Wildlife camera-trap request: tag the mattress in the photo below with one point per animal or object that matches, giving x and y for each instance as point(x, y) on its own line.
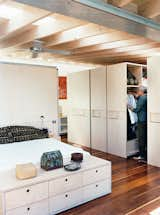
point(31, 151)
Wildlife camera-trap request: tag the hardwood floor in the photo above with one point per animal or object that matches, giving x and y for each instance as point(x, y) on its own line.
point(135, 190)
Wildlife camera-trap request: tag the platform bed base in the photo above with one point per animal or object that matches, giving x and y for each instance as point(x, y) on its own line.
point(56, 191)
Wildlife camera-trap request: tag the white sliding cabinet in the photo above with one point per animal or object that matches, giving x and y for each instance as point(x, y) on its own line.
point(98, 109)
point(78, 108)
point(117, 107)
point(87, 92)
point(154, 111)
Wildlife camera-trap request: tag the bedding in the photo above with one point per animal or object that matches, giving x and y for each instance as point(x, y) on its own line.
point(12, 134)
point(32, 150)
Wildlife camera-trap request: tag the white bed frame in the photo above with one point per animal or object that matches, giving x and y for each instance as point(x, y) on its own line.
point(55, 191)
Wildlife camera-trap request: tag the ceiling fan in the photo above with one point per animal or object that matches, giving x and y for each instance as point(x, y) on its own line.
point(38, 47)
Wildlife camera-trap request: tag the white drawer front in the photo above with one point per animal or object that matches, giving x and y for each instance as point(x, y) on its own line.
point(24, 196)
point(95, 175)
point(40, 208)
point(18, 211)
point(65, 201)
point(65, 184)
point(96, 190)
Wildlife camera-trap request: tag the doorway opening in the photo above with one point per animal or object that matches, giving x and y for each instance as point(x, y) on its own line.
point(137, 112)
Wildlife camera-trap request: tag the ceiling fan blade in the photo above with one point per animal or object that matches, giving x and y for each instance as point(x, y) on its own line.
point(58, 52)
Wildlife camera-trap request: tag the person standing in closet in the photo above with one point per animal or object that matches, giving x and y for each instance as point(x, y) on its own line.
point(141, 111)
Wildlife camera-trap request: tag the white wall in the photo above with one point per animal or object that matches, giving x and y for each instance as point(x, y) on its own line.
point(154, 111)
point(26, 93)
point(63, 106)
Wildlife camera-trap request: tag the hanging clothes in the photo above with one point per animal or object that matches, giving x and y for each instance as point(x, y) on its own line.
point(132, 115)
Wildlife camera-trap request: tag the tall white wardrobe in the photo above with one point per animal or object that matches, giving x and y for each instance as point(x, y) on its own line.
point(97, 101)
point(153, 65)
point(87, 91)
point(117, 88)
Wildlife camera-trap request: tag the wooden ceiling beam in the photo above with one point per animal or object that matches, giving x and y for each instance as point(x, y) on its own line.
point(113, 51)
point(113, 60)
point(109, 45)
point(76, 34)
point(146, 53)
point(102, 14)
point(3, 25)
point(110, 36)
point(119, 3)
point(26, 16)
point(51, 27)
point(105, 61)
point(149, 8)
point(125, 55)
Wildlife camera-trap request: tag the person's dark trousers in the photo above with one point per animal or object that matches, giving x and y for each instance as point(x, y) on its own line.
point(142, 139)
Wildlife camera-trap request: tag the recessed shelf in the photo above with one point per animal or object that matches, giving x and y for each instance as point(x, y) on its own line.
point(133, 86)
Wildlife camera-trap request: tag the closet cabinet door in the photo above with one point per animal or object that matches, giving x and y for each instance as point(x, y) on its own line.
point(116, 109)
point(98, 109)
point(153, 111)
point(78, 108)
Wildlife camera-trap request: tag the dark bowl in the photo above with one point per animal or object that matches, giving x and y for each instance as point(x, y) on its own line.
point(77, 157)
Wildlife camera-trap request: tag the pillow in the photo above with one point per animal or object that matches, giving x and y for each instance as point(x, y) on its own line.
point(5, 135)
point(25, 133)
point(12, 134)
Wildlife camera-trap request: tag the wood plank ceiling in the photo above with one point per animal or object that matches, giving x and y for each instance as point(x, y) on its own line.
point(21, 24)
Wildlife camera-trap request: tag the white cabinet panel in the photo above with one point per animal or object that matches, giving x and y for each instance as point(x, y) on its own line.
point(78, 108)
point(117, 137)
point(64, 184)
point(153, 111)
point(65, 201)
point(40, 208)
point(27, 195)
point(18, 211)
point(98, 108)
point(85, 87)
point(96, 190)
point(95, 175)
point(116, 108)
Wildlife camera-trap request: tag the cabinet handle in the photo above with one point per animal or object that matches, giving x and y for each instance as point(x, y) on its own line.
point(96, 171)
point(66, 179)
point(28, 209)
point(66, 195)
point(28, 190)
point(96, 185)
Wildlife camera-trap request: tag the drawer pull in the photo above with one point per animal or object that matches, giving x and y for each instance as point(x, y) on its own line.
point(66, 195)
point(66, 180)
point(96, 171)
point(28, 209)
point(28, 190)
point(96, 185)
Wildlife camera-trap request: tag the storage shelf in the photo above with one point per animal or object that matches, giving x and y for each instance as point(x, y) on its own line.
point(136, 86)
